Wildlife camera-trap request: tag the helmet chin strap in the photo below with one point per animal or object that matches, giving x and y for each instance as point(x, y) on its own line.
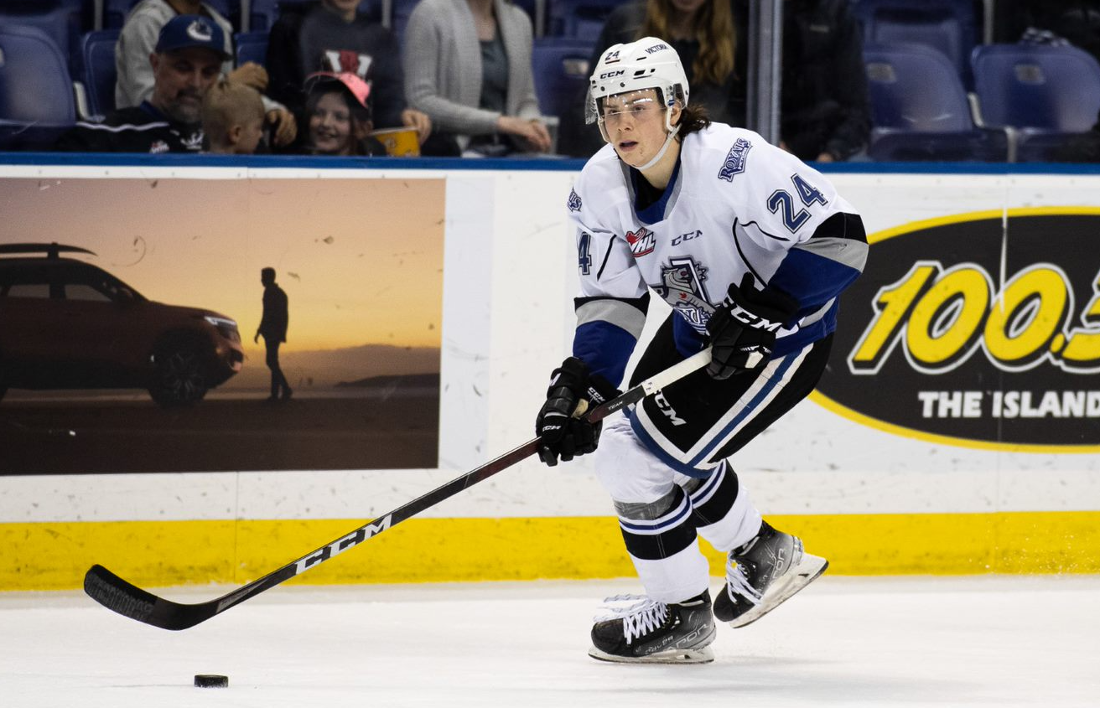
point(661, 153)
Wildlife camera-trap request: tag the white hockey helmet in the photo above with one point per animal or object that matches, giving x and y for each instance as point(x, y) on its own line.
point(648, 63)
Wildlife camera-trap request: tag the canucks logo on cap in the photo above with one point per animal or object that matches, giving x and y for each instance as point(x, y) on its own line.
point(200, 31)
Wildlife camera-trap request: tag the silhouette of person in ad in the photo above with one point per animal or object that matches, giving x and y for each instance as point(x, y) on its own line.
point(273, 328)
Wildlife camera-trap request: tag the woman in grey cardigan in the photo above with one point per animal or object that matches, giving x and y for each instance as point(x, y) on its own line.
point(468, 66)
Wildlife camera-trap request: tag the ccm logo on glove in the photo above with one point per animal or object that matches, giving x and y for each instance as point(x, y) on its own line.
point(743, 328)
point(562, 435)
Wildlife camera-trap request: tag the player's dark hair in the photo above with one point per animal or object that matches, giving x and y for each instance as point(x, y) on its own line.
point(693, 118)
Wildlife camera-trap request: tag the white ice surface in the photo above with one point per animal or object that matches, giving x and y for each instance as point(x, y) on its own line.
point(987, 641)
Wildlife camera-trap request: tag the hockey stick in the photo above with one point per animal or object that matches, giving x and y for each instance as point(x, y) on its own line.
point(127, 599)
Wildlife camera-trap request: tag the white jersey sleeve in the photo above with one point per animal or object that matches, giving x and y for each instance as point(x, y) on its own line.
point(613, 298)
point(791, 228)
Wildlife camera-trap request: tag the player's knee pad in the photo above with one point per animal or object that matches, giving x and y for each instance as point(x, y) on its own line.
point(627, 470)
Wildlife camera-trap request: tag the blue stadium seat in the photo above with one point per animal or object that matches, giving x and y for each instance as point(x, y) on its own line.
point(97, 70)
point(560, 65)
point(1047, 94)
point(919, 110)
point(115, 11)
point(36, 90)
point(947, 25)
point(60, 21)
point(251, 46)
point(580, 19)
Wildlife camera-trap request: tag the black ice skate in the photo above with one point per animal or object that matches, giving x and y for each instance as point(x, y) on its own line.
point(640, 630)
point(762, 574)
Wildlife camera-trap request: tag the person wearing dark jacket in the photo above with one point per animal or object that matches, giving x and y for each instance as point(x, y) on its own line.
point(1076, 21)
point(825, 112)
point(329, 35)
point(187, 61)
point(273, 328)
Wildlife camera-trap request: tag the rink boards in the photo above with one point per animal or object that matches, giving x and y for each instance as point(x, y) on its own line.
point(955, 433)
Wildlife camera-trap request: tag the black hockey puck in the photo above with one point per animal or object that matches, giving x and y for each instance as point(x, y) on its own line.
point(211, 681)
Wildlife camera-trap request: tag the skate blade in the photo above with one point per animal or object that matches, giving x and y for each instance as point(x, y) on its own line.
point(673, 656)
point(809, 570)
point(698, 654)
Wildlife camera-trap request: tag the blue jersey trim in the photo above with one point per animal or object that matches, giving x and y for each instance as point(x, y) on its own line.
point(683, 513)
point(750, 407)
point(811, 279)
point(691, 469)
point(687, 339)
point(605, 348)
point(808, 335)
point(656, 211)
point(658, 452)
point(712, 481)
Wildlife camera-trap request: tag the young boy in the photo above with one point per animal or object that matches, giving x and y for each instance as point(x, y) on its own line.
point(232, 118)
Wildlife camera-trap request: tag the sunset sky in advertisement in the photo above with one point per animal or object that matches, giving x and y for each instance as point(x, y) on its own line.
point(361, 260)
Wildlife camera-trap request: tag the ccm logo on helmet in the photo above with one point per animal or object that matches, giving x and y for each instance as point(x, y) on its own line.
point(610, 74)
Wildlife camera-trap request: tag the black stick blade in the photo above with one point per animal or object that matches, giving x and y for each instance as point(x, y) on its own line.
point(128, 600)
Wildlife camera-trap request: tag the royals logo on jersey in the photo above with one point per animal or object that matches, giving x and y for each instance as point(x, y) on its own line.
point(735, 160)
point(682, 287)
point(642, 242)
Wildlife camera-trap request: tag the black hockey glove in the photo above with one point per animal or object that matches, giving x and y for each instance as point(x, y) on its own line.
point(563, 435)
point(742, 330)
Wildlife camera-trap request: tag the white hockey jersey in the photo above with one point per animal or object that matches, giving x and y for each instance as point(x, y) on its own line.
point(735, 205)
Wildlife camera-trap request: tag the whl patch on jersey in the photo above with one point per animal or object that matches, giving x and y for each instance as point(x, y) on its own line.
point(642, 242)
point(735, 160)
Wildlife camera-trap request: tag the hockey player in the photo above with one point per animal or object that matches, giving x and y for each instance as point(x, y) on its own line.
point(751, 248)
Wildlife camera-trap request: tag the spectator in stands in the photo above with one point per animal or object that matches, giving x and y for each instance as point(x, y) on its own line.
point(139, 35)
point(1048, 21)
point(186, 62)
point(232, 118)
point(338, 116)
point(329, 35)
point(825, 112)
point(702, 32)
point(468, 66)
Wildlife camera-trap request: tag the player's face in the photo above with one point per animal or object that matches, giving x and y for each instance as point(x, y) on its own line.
point(634, 124)
point(181, 79)
point(330, 129)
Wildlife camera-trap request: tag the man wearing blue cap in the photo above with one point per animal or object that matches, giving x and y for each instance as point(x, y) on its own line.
point(186, 63)
point(139, 37)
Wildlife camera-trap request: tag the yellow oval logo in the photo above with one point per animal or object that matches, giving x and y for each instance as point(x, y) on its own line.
point(981, 330)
